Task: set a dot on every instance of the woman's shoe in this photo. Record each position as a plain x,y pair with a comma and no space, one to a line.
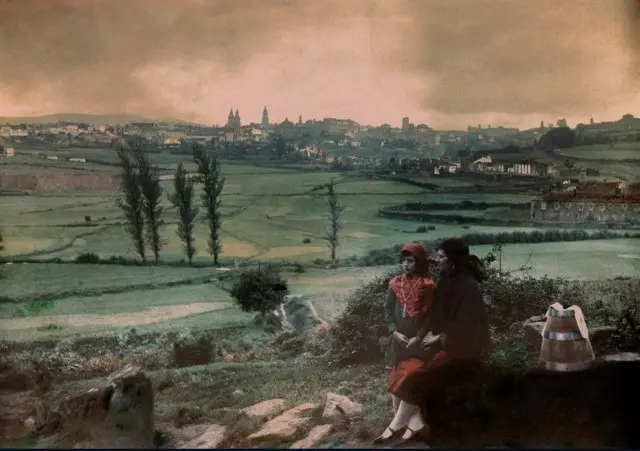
382,439
420,434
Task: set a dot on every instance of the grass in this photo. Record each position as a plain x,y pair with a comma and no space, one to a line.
267,213
38,280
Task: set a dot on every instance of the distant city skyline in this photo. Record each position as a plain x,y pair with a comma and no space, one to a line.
446,64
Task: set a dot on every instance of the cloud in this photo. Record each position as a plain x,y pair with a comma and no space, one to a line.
546,56
442,59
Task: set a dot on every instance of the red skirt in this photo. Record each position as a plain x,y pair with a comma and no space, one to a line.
405,375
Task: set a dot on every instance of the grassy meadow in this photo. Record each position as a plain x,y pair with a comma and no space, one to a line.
269,214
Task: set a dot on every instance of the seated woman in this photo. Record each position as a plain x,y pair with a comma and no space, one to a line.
407,307
459,324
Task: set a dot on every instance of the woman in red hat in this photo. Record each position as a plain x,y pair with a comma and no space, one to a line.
407,309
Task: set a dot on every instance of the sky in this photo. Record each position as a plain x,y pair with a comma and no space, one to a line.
446,63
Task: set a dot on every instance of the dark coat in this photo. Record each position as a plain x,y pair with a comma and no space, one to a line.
460,316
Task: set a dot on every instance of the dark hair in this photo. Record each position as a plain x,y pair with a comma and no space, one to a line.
457,252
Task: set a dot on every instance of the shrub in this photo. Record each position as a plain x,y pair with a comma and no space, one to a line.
89,257
421,229
259,289
360,333
298,267
306,240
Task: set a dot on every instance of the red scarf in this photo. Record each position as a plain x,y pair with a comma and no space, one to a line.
414,293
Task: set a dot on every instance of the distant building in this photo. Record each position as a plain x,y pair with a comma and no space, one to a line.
265,119
6,151
233,120
601,203
405,125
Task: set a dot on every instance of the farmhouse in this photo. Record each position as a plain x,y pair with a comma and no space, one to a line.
602,203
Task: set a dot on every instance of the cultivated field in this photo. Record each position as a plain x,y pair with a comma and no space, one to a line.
621,161
267,214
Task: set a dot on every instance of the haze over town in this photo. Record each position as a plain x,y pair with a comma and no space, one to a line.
447,64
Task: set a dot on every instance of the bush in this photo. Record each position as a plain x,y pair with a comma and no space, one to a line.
298,267
306,240
421,229
88,258
360,334
259,289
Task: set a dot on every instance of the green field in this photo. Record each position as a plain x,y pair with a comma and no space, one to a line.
267,213
622,161
621,151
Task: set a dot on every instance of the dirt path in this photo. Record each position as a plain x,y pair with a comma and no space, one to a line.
148,316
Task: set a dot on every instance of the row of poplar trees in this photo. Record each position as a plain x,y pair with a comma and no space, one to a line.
142,198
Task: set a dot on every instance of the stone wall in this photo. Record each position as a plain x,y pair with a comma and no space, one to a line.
58,183
586,212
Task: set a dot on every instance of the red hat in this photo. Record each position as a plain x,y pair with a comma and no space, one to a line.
417,251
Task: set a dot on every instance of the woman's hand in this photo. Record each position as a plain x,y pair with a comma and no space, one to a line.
429,340
412,341
400,338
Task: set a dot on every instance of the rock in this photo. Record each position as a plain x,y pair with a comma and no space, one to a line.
212,436
599,335
315,436
16,421
285,425
622,357
533,331
265,408
115,415
538,319
190,350
338,407
237,394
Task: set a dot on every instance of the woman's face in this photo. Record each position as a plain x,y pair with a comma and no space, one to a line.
441,259
408,264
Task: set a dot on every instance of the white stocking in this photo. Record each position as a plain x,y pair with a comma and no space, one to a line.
416,422
403,415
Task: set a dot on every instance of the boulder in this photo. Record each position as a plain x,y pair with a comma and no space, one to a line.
265,409
599,335
211,437
285,425
622,357
17,421
315,436
190,350
237,394
338,408
117,414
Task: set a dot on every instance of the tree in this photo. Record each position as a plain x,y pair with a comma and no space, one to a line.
182,199
213,182
335,222
560,137
151,195
132,204
259,290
